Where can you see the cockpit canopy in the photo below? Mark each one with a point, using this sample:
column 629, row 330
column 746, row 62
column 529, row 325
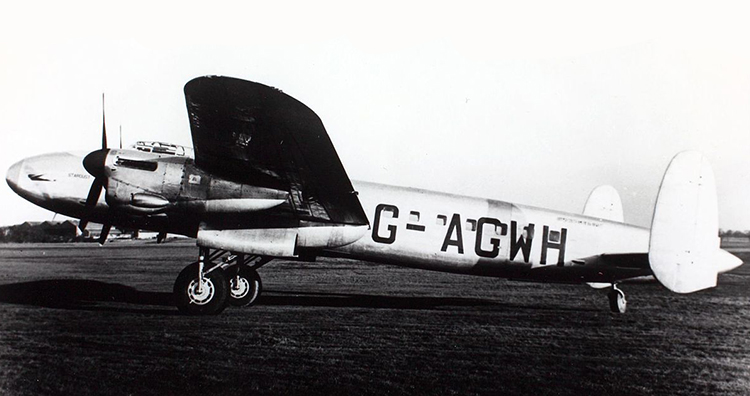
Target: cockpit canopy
column 164, row 148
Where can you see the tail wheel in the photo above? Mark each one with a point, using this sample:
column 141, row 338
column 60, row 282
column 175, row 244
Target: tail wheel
column 196, row 297
column 617, row 301
column 244, row 287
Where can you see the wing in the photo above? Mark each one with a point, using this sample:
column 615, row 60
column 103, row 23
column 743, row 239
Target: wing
column 255, row 134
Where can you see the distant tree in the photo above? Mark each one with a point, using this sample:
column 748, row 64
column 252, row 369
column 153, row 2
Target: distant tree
column 734, row 233
column 38, row 232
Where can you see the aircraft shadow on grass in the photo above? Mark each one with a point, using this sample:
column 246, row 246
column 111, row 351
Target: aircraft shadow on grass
column 84, row 295
column 353, row 300
column 99, row 296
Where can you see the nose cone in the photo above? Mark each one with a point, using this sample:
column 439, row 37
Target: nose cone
column 94, row 162
column 13, row 176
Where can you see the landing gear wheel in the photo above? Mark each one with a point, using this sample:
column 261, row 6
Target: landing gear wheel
column 244, row 287
column 617, row 301
column 201, row 298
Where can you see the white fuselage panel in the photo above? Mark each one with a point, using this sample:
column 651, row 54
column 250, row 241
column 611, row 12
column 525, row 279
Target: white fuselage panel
column 446, row 232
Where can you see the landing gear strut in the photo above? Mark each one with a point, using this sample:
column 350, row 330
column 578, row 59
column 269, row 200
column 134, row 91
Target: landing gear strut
column 207, row 286
column 199, row 290
column 617, row 301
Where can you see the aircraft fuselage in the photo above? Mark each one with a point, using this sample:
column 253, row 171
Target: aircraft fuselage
column 409, row 227
column 453, row 233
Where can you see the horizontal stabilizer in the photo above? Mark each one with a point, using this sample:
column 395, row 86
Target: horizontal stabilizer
column 684, row 240
column 604, row 203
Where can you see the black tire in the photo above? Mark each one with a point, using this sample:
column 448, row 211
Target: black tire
column 213, row 298
column 617, row 302
column 248, row 290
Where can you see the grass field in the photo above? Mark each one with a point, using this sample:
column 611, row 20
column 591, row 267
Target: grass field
column 83, row 319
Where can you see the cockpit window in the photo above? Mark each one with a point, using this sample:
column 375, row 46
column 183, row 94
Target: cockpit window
column 163, row 148
column 135, row 164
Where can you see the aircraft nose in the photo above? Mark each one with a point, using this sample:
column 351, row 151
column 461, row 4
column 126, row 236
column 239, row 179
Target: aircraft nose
column 94, row 162
column 13, row 176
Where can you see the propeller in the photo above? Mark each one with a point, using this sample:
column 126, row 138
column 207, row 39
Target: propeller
column 104, row 234
column 94, row 164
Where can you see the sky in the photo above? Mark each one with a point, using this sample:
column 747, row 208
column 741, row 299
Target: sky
column 529, row 102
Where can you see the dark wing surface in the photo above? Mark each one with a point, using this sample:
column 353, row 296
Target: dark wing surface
column 255, row 134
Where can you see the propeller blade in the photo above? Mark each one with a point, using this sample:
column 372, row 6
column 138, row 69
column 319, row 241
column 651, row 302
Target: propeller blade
column 91, row 200
column 120, row 137
column 104, row 126
column 104, row 234
column 94, row 192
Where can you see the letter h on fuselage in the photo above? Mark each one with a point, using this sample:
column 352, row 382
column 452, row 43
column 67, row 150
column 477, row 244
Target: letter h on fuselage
column 554, row 240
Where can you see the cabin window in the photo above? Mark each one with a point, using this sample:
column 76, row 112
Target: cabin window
column 471, row 225
column 554, row 236
column 136, row 164
column 441, row 220
column 414, row 217
column 387, row 212
column 528, row 233
column 501, row 230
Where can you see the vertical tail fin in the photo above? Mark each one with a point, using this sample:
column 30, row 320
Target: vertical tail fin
column 684, row 249
column 604, row 203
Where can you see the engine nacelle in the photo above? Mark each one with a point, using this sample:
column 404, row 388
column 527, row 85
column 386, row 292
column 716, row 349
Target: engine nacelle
column 280, row 242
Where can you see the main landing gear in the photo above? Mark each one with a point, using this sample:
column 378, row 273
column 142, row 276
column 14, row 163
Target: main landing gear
column 617, row 301
column 216, row 280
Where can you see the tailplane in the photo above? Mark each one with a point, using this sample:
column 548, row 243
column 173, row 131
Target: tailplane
column 684, row 251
